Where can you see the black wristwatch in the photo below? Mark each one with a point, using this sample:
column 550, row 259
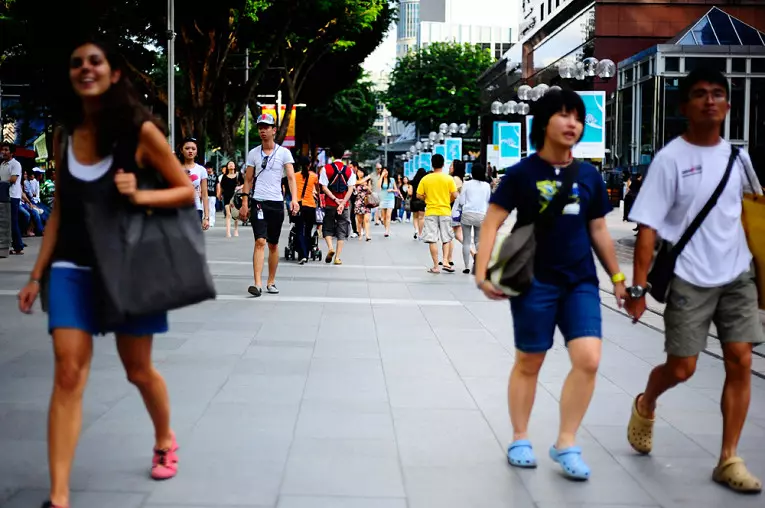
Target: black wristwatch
column 637, row 292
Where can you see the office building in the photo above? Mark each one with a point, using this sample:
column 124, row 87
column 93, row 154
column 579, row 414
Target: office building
column 485, row 22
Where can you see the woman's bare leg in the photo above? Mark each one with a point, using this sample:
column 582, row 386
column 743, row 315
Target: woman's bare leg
column 72, row 351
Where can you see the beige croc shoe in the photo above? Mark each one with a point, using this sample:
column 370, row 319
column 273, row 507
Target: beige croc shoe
column 734, row 474
column 640, row 430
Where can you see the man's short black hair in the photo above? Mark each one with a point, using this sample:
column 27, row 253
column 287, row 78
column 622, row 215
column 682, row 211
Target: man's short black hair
column 698, row 75
column 337, row 150
column 545, row 108
column 437, row 161
column 11, row 146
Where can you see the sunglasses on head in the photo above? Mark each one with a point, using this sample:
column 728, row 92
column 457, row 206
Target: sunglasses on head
column 265, row 161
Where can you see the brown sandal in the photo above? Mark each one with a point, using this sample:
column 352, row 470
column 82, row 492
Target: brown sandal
column 640, row 430
column 734, row 474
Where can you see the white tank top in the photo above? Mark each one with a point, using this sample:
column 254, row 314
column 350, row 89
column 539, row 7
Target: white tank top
column 87, row 172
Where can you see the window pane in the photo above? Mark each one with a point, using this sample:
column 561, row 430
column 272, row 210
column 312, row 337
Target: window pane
column 757, row 126
column 758, row 64
column 646, row 121
column 628, row 75
column 672, row 64
column 688, row 40
column 748, row 35
column 737, row 98
column 573, row 36
column 723, row 28
column 645, row 69
column 674, row 123
column 738, row 65
column 704, row 33
column 710, row 63
column 625, row 126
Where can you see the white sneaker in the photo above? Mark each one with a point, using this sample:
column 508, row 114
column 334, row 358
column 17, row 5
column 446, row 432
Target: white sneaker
column 354, row 235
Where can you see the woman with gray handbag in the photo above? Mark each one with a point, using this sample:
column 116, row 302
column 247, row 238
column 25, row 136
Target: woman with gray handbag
column 107, row 148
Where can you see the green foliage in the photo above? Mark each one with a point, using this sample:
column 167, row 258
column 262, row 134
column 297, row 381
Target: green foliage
column 302, row 37
column 437, row 84
column 345, row 117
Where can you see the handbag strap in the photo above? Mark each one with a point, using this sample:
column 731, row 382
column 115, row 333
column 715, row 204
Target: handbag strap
column 558, row 202
column 305, row 185
column 696, row 224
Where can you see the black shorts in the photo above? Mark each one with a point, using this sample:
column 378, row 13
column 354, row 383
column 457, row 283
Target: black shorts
column 337, row 225
column 270, row 226
column 417, row 205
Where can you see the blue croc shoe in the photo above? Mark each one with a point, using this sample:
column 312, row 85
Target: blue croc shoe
column 570, row 459
column 520, row 454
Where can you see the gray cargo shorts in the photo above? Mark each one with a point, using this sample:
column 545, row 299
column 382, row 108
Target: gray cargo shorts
column 691, row 309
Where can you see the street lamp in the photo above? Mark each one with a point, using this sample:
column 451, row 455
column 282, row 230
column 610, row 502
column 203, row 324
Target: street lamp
column 588, row 68
column 171, row 70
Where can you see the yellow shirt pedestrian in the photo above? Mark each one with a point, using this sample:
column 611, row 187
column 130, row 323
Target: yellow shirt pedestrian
column 437, row 188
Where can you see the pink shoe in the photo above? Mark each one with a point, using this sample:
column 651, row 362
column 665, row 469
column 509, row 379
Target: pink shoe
column 164, row 464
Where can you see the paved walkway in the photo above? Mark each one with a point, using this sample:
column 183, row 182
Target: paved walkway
column 371, row 385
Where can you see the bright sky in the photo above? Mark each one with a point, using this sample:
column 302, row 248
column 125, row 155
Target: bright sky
column 468, row 12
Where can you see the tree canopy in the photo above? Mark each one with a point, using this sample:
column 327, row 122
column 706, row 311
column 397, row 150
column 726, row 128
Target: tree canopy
column 288, row 41
column 437, row 84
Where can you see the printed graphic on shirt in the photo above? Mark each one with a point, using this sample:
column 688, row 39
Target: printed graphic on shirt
column 547, row 191
column 693, row 170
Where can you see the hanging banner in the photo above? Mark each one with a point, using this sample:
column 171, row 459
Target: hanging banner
column 41, row 147
column 440, row 149
column 529, row 149
column 289, row 138
column 495, row 138
column 453, row 150
column 408, row 169
column 593, row 143
column 492, row 155
column 425, row 161
column 509, row 144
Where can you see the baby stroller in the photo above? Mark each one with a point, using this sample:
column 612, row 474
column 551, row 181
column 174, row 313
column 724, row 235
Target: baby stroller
column 291, row 253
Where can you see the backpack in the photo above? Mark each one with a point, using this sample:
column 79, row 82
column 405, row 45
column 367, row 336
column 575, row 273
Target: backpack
column 338, row 181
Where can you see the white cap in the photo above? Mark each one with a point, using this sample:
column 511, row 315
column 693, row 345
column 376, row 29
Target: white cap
column 267, row 119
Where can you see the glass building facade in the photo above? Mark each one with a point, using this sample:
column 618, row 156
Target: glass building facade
column 648, row 102
column 408, row 26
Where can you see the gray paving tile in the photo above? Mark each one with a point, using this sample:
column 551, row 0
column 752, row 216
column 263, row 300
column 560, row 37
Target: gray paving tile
column 344, row 348
column 429, row 393
column 222, row 480
column 27, row 498
column 343, row 468
column 445, row 438
column 317, row 421
column 487, row 486
column 339, row 502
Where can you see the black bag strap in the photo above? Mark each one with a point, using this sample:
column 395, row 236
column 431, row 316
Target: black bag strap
column 339, row 173
column 696, row 224
column 305, row 184
column 558, row 202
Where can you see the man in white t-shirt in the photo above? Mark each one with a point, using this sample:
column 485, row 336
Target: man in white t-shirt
column 10, row 171
column 264, row 202
column 713, row 280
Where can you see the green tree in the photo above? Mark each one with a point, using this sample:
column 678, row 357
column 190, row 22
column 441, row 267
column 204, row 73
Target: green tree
column 437, row 84
column 348, row 30
column 345, row 117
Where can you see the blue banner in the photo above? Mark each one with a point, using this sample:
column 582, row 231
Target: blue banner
column 509, row 144
column 593, row 143
column 440, row 149
column 529, row 121
column 495, row 138
column 453, row 150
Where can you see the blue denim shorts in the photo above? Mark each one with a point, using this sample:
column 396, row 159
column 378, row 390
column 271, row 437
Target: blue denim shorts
column 70, row 305
column 575, row 310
